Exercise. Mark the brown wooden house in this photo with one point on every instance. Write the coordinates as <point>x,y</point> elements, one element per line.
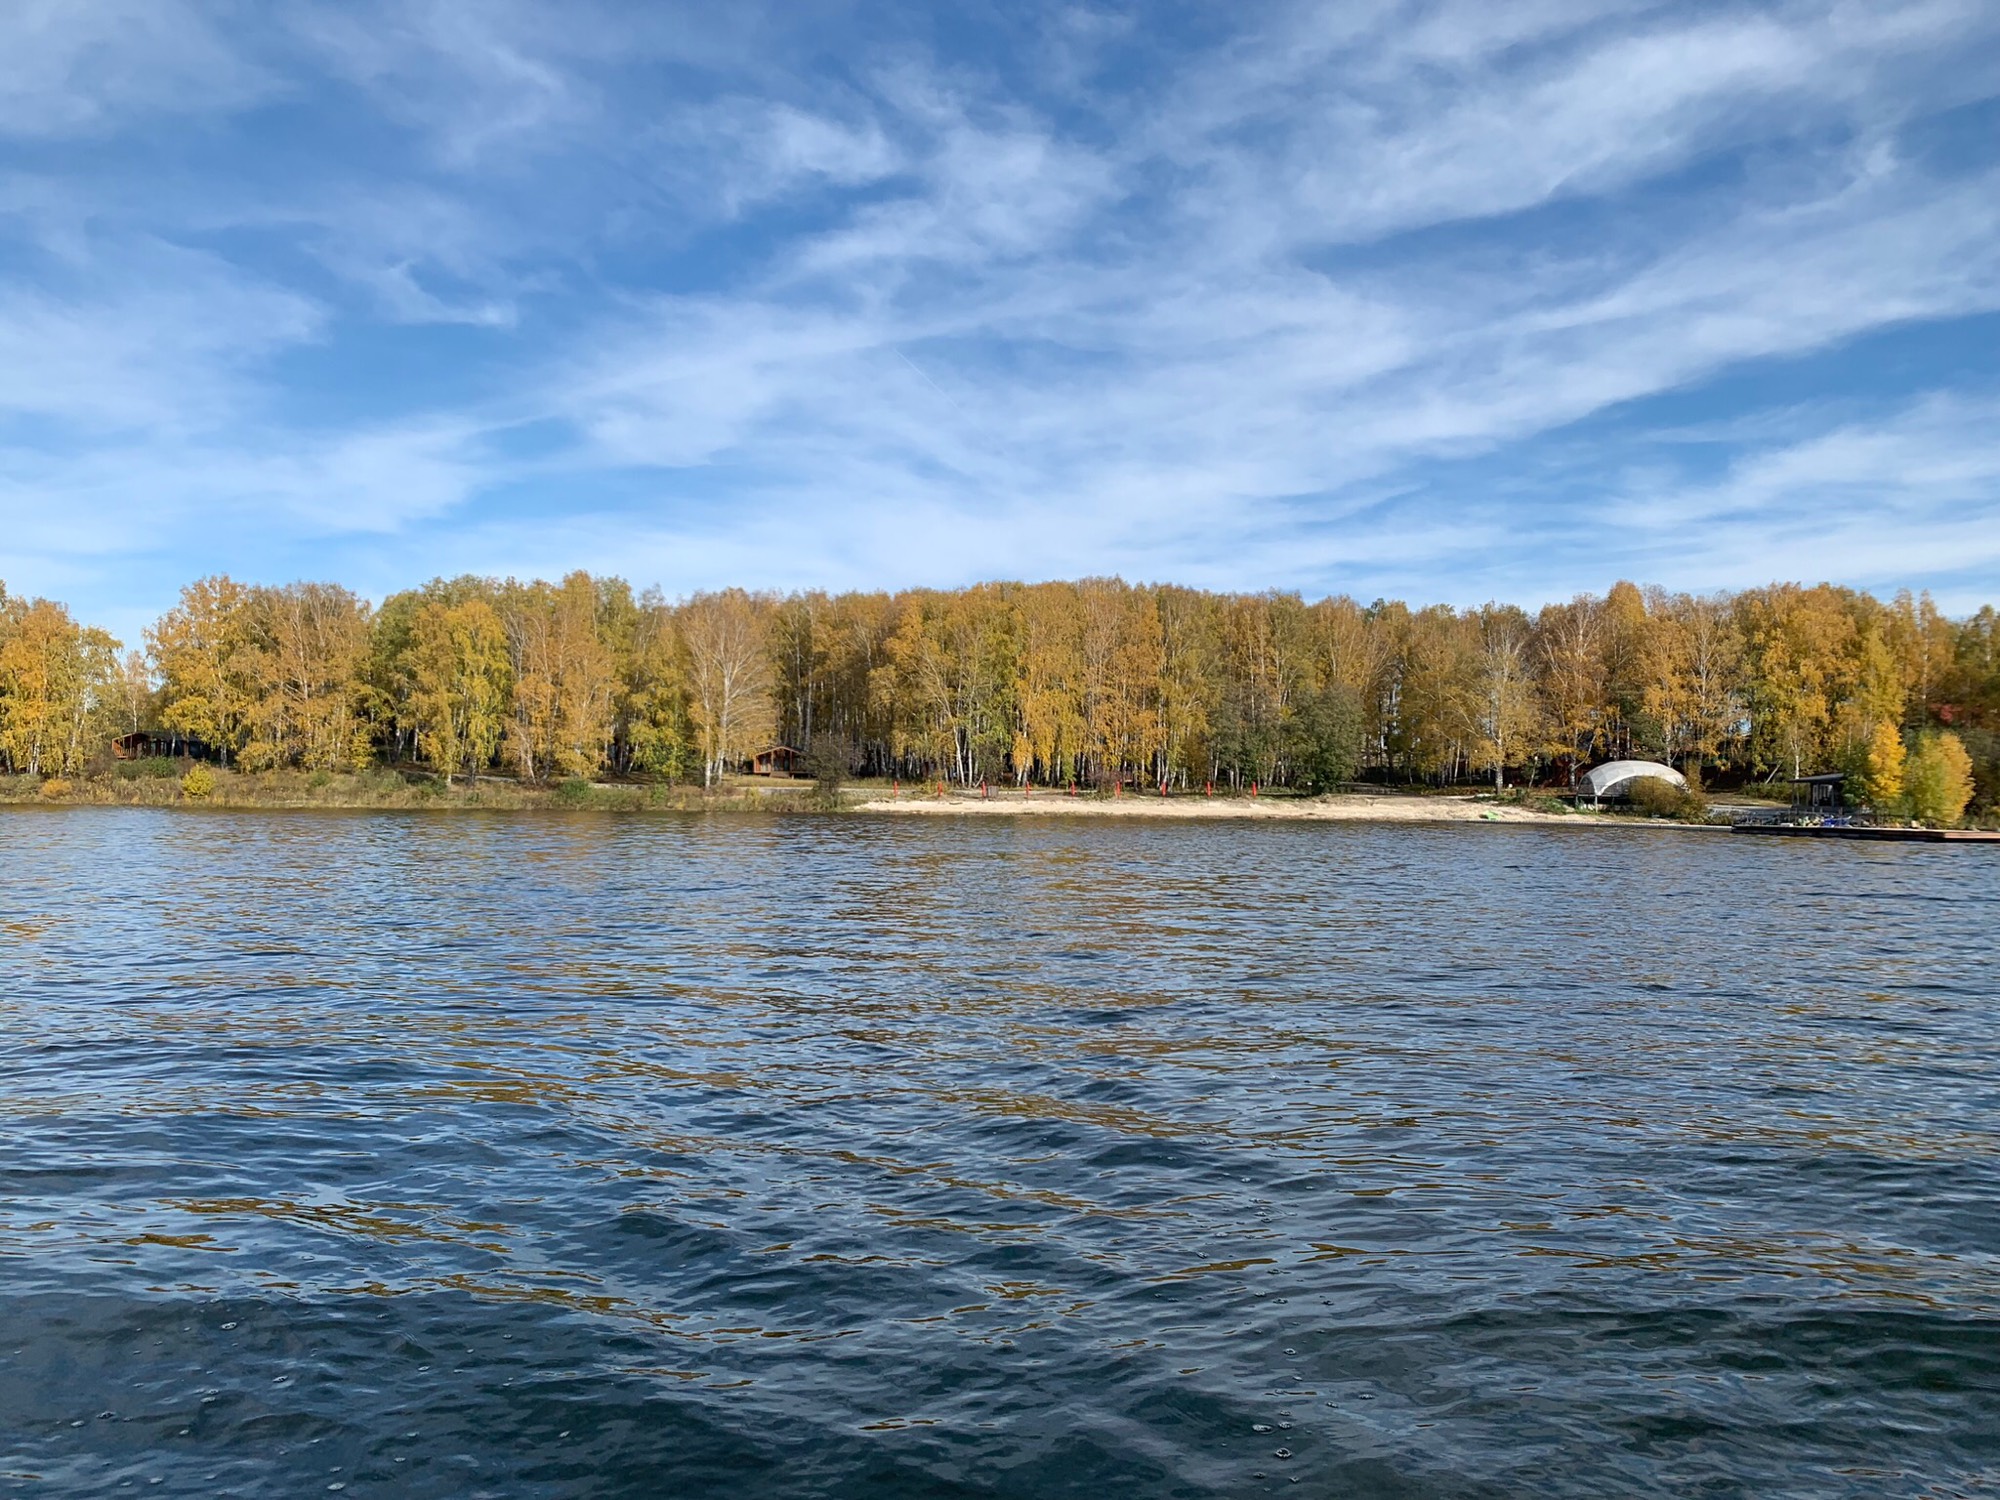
<point>779,760</point>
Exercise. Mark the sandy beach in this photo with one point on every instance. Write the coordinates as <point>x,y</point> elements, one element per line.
<point>1356,807</point>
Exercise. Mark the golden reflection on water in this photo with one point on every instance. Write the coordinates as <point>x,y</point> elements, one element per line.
<point>388,1222</point>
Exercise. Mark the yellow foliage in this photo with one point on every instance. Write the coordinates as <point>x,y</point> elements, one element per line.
<point>53,676</point>
<point>564,683</point>
<point>55,788</point>
<point>1938,780</point>
<point>199,783</point>
<point>458,684</point>
<point>304,648</point>
<point>1882,779</point>
<point>1092,680</point>
<point>198,648</point>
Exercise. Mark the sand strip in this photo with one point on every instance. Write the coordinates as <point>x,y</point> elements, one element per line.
<point>1354,808</point>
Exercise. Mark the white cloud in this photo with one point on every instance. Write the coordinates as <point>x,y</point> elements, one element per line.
<point>157,338</point>
<point>895,320</point>
<point>468,75</point>
<point>1392,119</point>
<point>84,67</point>
<point>750,151</point>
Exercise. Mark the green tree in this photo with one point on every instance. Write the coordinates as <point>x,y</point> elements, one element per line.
<point>1323,739</point>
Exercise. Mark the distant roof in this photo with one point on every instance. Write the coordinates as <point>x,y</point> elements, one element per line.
<point>1823,778</point>
<point>1609,779</point>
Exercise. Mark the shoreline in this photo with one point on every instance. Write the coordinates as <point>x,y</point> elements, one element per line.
<point>290,792</point>
<point>1345,807</point>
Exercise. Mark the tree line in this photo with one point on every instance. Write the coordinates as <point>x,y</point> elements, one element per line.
<point>1083,682</point>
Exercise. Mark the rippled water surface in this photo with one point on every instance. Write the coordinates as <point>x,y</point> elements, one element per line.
<point>536,1156</point>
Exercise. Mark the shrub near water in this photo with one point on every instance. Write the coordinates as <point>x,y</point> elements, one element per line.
<point>826,763</point>
<point>199,783</point>
<point>157,766</point>
<point>1656,798</point>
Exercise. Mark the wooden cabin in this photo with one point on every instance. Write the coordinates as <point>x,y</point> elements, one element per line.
<point>779,760</point>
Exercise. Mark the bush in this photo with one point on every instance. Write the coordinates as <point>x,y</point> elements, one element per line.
<point>1654,797</point>
<point>320,780</point>
<point>575,792</point>
<point>153,765</point>
<point>199,783</point>
<point>826,763</point>
<point>55,787</point>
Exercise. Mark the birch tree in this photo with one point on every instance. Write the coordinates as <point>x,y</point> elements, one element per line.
<point>459,681</point>
<point>729,676</point>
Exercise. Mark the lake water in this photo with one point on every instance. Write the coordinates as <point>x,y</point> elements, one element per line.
<point>533,1156</point>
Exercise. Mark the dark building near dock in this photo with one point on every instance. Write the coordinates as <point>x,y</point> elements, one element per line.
<point>1825,793</point>
<point>151,744</point>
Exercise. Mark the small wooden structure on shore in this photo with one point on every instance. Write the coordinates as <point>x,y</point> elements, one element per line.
<point>1824,794</point>
<point>779,760</point>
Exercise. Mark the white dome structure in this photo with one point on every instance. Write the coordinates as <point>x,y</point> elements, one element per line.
<point>1614,778</point>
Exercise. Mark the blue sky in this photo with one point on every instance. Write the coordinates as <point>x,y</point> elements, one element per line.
<point>1444,301</point>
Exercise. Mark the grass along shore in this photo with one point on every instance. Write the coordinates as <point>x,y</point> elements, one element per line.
<point>377,789</point>
<point>402,789</point>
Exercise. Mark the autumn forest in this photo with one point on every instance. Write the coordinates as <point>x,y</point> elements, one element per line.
<point>1051,683</point>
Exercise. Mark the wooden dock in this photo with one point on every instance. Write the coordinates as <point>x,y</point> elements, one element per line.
<point>1880,835</point>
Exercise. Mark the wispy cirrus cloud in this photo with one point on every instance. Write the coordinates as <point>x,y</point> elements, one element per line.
<point>91,67</point>
<point>155,338</point>
<point>1315,297</point>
